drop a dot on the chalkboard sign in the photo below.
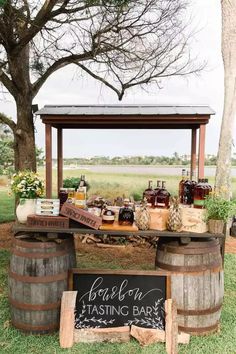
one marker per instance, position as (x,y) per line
(119,298)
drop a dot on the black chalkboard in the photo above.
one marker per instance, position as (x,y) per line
(119,298)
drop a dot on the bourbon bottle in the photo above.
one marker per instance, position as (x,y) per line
(156,191)
(126,214)
(163,197)
(187,193)
(181,186)
(149,193)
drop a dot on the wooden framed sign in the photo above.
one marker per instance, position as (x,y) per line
(109,298)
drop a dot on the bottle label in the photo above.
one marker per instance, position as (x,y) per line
(108,217)
(160,204)
(199,202)
(80,202)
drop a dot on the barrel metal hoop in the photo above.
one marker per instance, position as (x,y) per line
(29,327)
(34,307)
(199,312)
(38,255)
(27,244)
(36,279)
(188,251)
(189,269)
(199,329)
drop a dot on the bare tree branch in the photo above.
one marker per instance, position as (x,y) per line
(7,121)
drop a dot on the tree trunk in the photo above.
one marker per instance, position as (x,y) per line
(24,147)
(223,170)
(24,140)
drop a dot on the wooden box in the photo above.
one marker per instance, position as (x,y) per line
(49,207)
(193,220)
(159,219)
(82,216)
(52,222)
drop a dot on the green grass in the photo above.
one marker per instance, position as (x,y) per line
(13,342)
(6,207)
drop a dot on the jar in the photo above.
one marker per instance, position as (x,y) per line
(71,195)
(63,195)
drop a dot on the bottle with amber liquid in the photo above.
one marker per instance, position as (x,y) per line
(163,197)
(199,194)
(181,186)
(156,191)
(149,194)
(187,192)
(126,214)
(193,184)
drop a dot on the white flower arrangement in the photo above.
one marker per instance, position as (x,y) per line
(27,184)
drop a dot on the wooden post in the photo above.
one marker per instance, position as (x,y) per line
(67,320)
(59,159)
(193,152)
(171,327)
(48,149)
(201,150)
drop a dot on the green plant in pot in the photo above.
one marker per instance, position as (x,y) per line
(218,211)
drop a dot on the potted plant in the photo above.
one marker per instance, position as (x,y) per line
(27,186)
(218,211)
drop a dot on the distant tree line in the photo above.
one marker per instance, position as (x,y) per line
(175,159)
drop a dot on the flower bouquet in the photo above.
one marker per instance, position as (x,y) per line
(27,185)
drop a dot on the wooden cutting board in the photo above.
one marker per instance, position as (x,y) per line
(116,227)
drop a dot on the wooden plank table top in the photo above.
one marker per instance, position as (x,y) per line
(19,228)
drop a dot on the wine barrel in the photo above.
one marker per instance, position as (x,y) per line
(197,283)
(38,275)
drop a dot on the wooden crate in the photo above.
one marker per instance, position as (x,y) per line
(52,222)
(81,216)
(159,218)
(193,220)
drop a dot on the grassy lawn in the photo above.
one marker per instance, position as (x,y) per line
(12,341)
(6,207)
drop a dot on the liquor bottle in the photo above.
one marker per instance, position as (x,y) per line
(71,195)
(208,186)
(126,214)
(80,198)
(63,195)
(163,197)
(156,191)
(82,183)
(193,184)
(187,193)
(108,215)
(199,194)
(149,193)
(181,186)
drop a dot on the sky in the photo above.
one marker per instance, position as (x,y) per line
(66,87)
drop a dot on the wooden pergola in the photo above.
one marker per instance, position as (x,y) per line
(122,117)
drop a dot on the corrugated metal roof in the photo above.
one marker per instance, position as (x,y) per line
(125,110)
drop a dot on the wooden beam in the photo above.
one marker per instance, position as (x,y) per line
(171,327)
(48,149)
(193,152)
(201,150)
(59,159)
(67,319)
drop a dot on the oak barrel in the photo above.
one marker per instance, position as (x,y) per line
(38,275)
(197,283)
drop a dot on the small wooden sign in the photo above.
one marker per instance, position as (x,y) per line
(52,222)
(81,216)
(108,298)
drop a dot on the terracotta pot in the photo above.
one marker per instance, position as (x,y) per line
(216,226)
(25,208)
